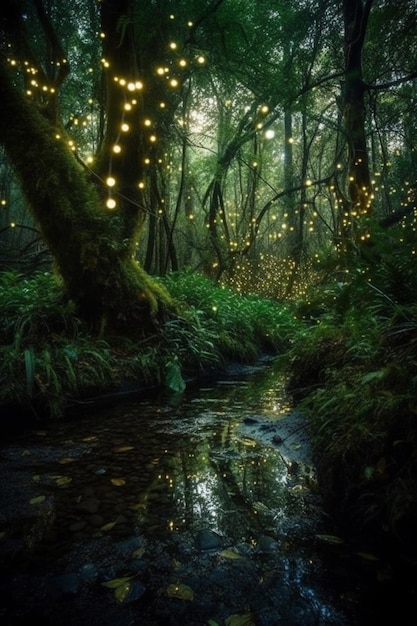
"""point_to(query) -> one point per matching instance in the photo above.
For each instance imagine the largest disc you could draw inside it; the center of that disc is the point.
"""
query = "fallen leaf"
(211, 622)
(90, 438)
(65, 460)
(61, 481)
(118, 482)
(183, 592)
(138, 552)
(117, 582)
(230, 554)
(36, 478)
(330, 539)
(108, 526)
(121, 592)
(26, 453)
(123, 448)
(37, 500)
(243, 619)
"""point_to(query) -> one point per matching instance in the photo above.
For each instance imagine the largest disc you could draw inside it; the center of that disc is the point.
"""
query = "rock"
(88, 573)
(206, 539)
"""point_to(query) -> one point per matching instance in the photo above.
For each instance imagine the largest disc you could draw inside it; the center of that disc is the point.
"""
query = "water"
(191, 509)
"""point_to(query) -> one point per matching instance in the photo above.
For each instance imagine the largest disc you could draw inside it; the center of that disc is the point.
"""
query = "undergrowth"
(353, 368)
(48, 357)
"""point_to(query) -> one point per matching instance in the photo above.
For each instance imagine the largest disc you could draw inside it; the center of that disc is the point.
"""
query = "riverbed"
(200, 508)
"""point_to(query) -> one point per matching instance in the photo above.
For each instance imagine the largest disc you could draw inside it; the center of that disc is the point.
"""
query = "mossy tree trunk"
(93, 247)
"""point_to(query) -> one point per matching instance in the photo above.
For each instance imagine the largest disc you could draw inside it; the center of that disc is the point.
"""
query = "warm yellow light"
(173, 45)
(201, 60)
(110, 181)
(152, 138)
(141, 185)
(308, 182)
(160, 71)
(131, 86)
(111, 203)
(116, 148)
(162, 105)
(183, 62)
(269, 134)
(147, 122)
(264, 109)
(127, 106)
(138, 85)
(173, 82)
(125, 127)
(147, 161)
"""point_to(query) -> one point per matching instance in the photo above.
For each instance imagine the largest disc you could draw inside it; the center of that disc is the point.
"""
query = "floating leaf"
(330, 539)
(65, 460)
(121, 592)
(36, 478)
(118, 482)
(117, 582)
(230, 554)
(211, 622)
(63, 480)
(108, 526)
(26, 453)
(183, 592)
(37, 500)
(90, 438)
(138, 552)
(259, 506)
(123, 448)
(243, 619)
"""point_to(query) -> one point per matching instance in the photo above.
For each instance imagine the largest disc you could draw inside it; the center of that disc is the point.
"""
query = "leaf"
(118, 482)
(90, 438)
(108, 526)
(26, 453)
(243, 619)
(211, 622)
(137, 552)
(65, 460)
(247, 441)
(121, 592)
(61, 481)
(36, 478)
(173, 377)
(230, 554)
(117, 582)
(37, 500)
(123, 448)
(182, 592)
(259, 506)
(330, 539)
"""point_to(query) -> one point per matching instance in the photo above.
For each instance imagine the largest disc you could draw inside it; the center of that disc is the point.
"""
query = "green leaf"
(183, 592)
(117, 582)
(173, 377)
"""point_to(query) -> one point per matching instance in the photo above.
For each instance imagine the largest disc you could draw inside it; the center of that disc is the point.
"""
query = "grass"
(48, 357)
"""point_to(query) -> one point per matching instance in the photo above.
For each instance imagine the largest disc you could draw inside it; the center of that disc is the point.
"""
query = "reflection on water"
(188, 476)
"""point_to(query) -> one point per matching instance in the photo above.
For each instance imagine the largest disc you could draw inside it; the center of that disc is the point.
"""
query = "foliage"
(355, 368)
(49, 359)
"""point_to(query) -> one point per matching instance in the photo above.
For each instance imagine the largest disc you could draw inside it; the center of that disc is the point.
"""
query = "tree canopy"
(243, 140)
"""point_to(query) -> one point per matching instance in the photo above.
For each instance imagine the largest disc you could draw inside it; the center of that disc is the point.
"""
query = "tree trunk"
(91, 255)
(356, 14)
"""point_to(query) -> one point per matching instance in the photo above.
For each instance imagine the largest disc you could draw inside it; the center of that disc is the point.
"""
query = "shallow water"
(190, 509)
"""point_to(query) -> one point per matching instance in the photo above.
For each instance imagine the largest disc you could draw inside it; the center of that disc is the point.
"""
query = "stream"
(195, 509)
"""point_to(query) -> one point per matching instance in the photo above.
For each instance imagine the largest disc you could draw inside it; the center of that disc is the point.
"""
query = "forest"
(185, 184)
